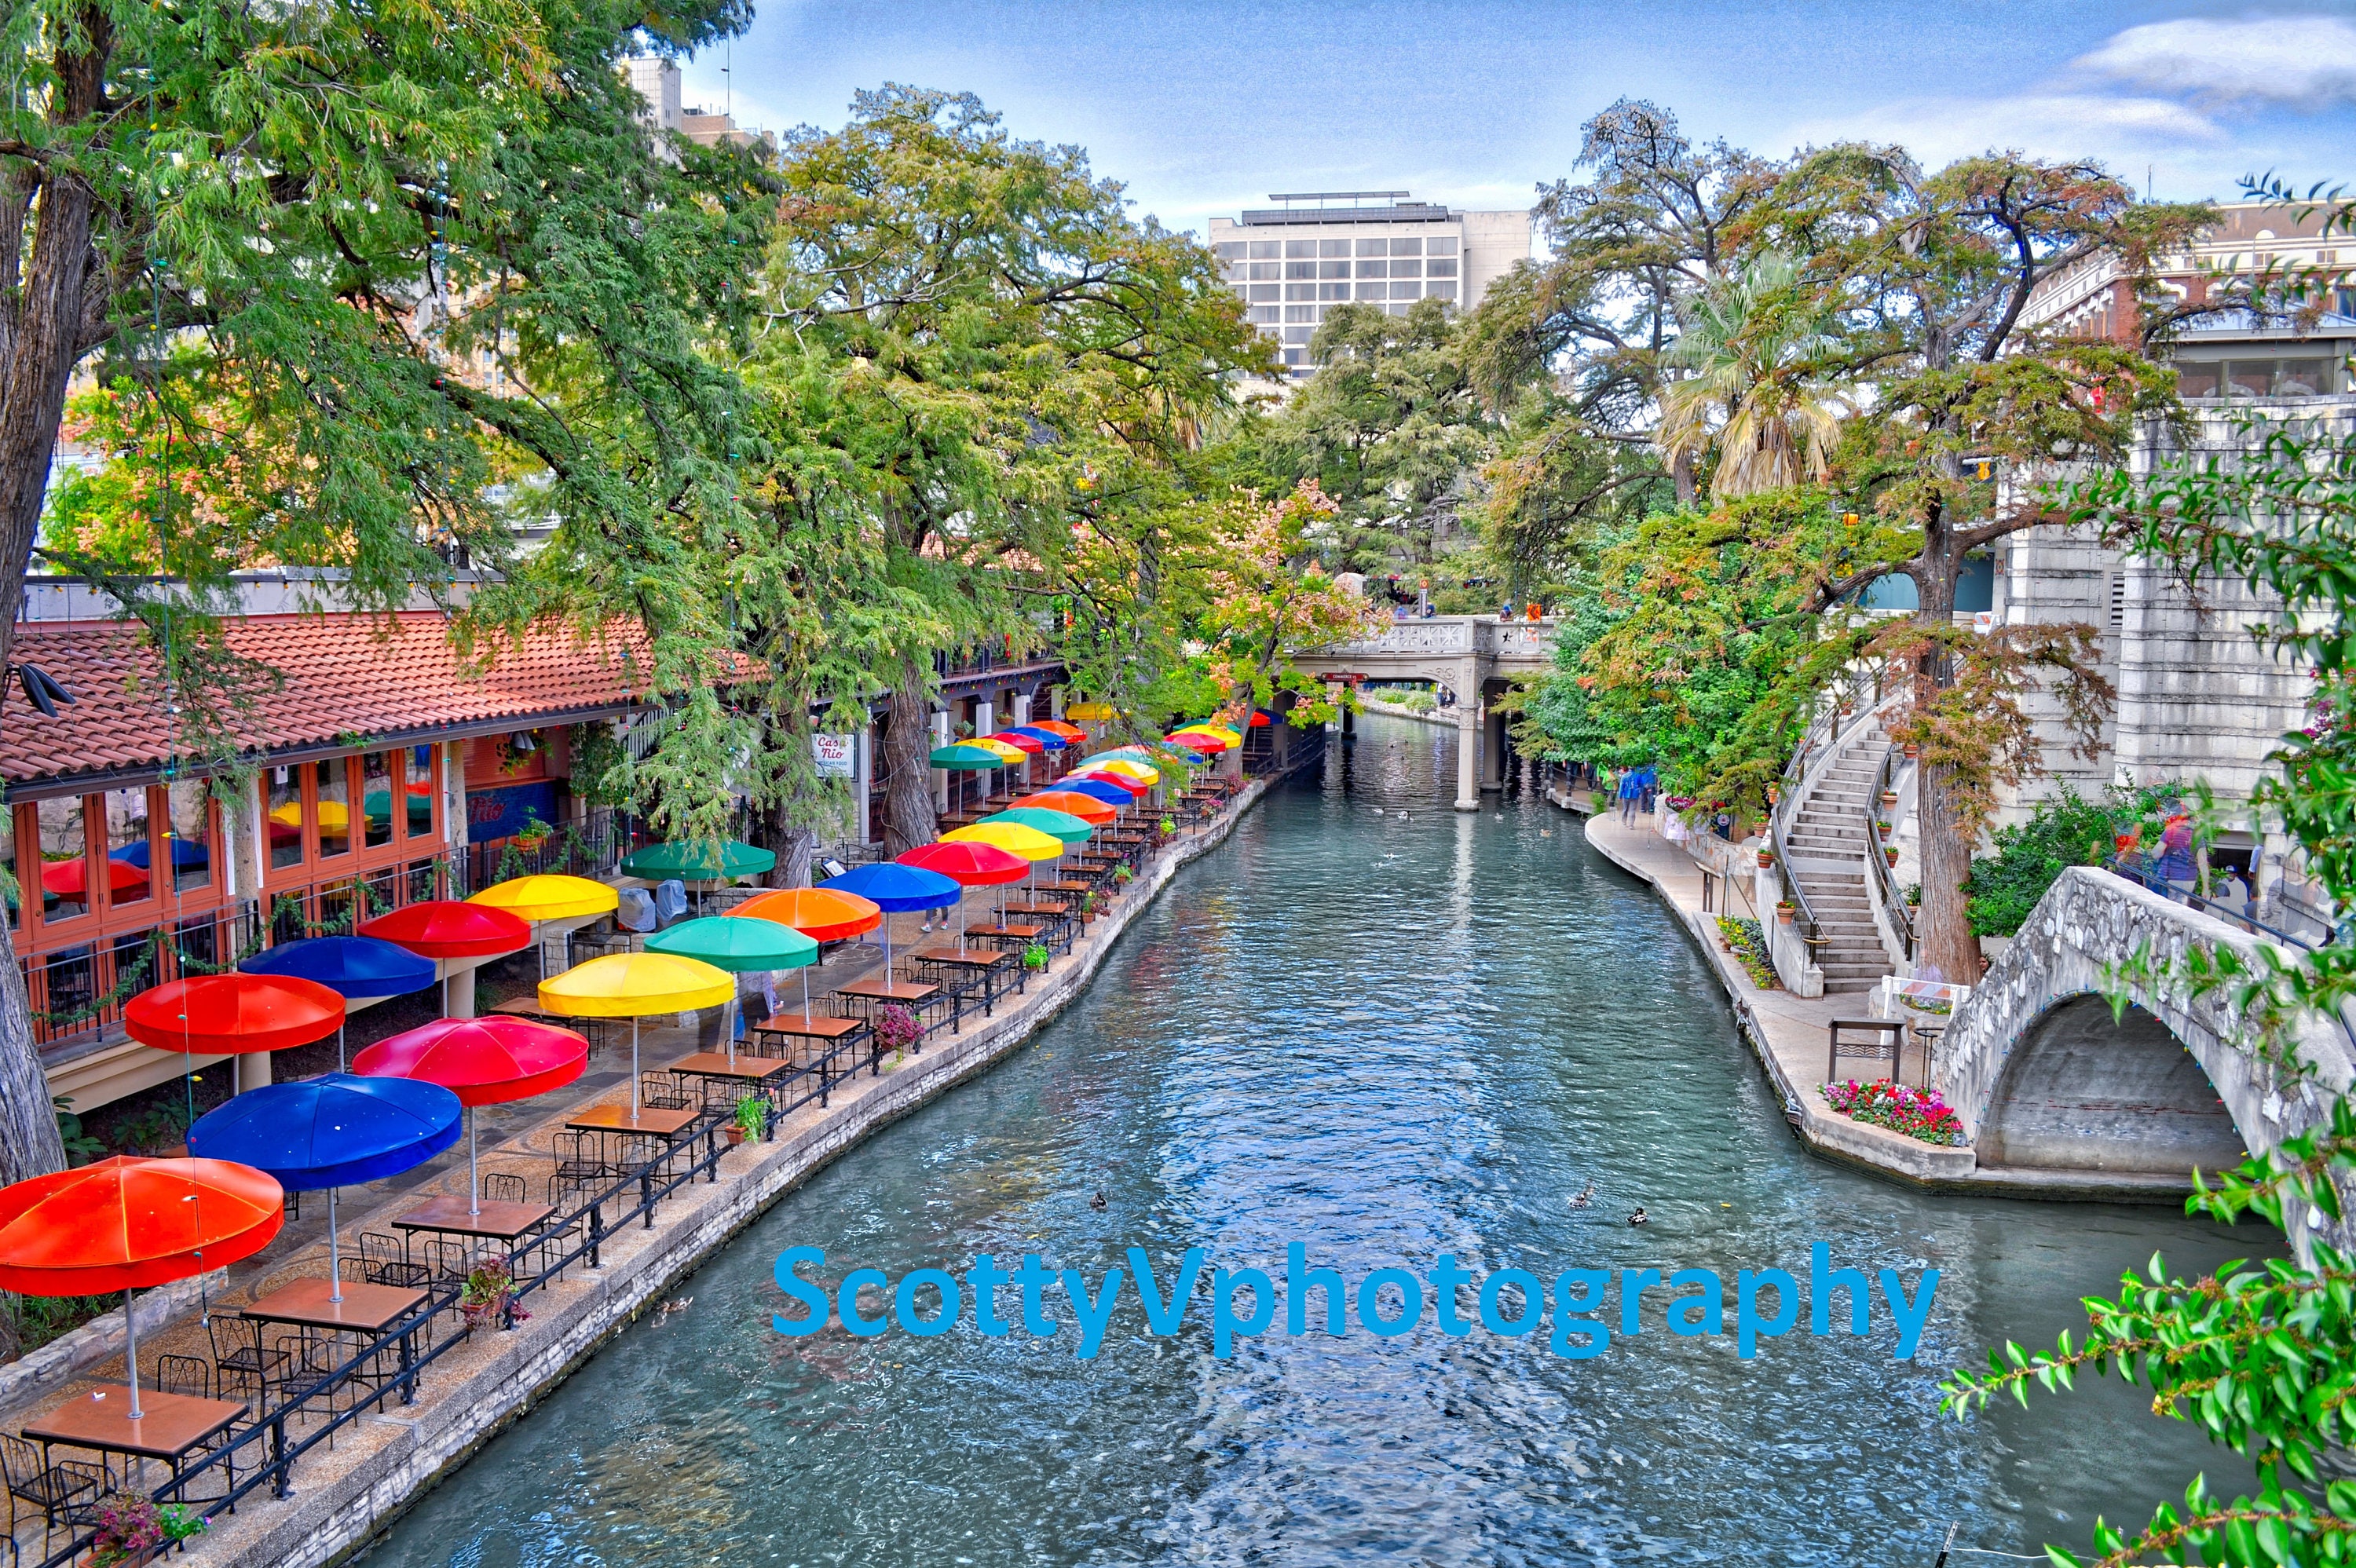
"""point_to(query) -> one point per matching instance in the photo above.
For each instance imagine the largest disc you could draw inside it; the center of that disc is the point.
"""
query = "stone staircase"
(1827, 846)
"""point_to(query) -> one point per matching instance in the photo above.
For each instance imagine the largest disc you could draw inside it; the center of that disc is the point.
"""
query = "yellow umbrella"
(1089, 713)
(1014, 755)
(549, 897)
(1126, 769)
(1011, 836)
(631, 985)
(1217, 732)
(335, 817)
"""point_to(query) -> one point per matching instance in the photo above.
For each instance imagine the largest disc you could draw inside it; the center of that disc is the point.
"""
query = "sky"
(1204, 107)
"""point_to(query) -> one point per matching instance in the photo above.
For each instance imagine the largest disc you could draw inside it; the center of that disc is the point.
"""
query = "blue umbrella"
(348, 965)
(896, 889)
(1046, 738)
(332, 1131)
(1111, 794)
(186, 853)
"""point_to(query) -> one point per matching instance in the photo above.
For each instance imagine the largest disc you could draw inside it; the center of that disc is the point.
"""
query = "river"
(1389, 1030)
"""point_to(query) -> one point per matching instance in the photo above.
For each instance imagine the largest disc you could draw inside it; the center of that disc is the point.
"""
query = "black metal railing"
(1861, 689)
(1885, 880)
(592, 845)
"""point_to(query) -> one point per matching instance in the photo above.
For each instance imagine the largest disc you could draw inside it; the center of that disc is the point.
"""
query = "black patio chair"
(66, 1492)
(244, 1367)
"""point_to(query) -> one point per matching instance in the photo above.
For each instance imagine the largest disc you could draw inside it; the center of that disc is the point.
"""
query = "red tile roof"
(343, 675)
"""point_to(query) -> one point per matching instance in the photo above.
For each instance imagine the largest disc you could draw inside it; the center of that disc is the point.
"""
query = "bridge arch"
(2043, 1077)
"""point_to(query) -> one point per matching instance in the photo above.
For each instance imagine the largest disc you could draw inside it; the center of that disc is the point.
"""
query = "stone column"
(1492, 750)
(252, 1070)
(940, 775)
(863, 775)
(458, 991)
(1468, 752)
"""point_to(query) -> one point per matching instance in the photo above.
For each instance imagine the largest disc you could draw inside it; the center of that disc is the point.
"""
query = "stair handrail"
(1885, 882)
(1862, 687)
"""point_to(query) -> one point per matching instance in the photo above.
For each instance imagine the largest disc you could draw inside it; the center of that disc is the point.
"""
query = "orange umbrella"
(124, 1223)
(1057, 726)
(822, 914)
(1087, 808)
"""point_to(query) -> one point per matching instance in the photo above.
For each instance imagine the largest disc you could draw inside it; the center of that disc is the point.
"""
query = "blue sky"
(1204, 106)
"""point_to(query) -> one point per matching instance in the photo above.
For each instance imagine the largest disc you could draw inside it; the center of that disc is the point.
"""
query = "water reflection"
(1388, 1037)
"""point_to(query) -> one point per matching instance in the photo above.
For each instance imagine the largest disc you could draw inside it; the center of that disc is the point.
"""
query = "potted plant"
(1882, 829)
(1913, 750)
(1169, 825)
(1889, 800)
(1766, 859)
(752, 1119)
(1122, 875)
(1034, 957)
(1889, 853)
(133, 1529)
(488, 1295)
(1784, 912)
(897, 1029)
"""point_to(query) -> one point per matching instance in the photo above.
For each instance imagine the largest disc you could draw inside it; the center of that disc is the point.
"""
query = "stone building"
(2201, 696)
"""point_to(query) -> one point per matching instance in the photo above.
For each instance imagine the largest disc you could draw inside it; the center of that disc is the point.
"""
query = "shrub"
(2066, 830)
(1749, 944)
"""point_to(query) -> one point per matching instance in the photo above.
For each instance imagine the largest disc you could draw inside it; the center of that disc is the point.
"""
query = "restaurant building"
(376, 761)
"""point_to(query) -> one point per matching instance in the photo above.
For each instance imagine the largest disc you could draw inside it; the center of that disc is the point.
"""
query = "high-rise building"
(1292, 262)
(656, 80)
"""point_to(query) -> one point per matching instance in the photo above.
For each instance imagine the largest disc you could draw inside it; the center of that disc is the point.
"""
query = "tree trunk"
(909, 819)
(43, 315)
(29, 1144)
(795, 847)
(1946, 939)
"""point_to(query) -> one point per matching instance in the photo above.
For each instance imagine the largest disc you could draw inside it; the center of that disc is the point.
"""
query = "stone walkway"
(344, 1493)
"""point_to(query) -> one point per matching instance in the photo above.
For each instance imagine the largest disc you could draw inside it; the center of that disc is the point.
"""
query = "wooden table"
(872, 994)
(1021, 936)
(747, 1068)
(982, 963)
(497, 1221)
(618, 1119)
(365, 1308)
(170, 1425)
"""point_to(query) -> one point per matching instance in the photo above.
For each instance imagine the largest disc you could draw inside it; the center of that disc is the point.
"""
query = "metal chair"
(387, 1262)
(580, 1166)
(241, 1360)
(191, 1375)
(66, 1492)
(504, 1187)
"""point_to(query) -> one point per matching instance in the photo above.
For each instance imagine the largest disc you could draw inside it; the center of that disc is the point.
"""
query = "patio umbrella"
(329, 1132)
(738, 946)
(1261, 719)
(968, 866)
(1057, 726)
(1072, 803)
(699, 862)
(483, 1061)
(1050, 740)
(1094, 789)
(1195, 740)
(1008, 754)
(225, 1014)
(896, 889)
(964, 758)
(185, 853)
(1127, 767)
(549, 896)
(126, 1224)
(1029, 745)
(351, 967)
(1058, 825)
(634, 985)
(1129, 785)
(1223, 732)
(447, 928)
(1090, 712)
(71, 878)
(820, 914)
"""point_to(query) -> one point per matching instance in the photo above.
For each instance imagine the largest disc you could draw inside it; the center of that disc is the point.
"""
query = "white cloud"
(2309, 61)
(2054, 124)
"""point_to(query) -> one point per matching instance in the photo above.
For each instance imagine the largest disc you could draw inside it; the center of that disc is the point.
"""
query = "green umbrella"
(698, 862)
(966, 759)
(736, 945)
(1058, 825)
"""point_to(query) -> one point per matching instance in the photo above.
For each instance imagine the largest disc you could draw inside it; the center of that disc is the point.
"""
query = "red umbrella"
(1031, 744)
(222, 1015)
(1134, 786)
(1210, 745)
(1259, 718)
(969, 866)
(124, 1223)
(71, 878)
(445, 928)
(483, 1061)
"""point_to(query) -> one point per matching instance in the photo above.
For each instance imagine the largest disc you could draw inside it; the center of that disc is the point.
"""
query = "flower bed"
(1748, 943)
(1917, 1113)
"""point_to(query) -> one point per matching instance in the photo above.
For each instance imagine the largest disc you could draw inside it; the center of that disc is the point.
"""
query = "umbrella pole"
(805, 1012)
(339, 1064)
(634, 1067)
(131, 1353)
(474, 1183)
(728, 1023)
(335, 1252)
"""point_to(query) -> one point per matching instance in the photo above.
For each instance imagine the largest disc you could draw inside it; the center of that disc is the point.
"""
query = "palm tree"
(1746, 349)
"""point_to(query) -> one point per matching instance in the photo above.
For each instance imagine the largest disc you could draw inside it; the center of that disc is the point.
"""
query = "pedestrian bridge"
(2045, 1077)
(1474, 656)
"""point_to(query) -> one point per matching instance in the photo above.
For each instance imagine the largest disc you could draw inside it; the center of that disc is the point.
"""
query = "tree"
(301, 230)
(982, 333)
(1269, 602)
(1750, 395)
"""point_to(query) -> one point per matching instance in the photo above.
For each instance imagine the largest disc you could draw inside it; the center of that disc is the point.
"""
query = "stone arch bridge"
(1473, 656)
(2045, 1079)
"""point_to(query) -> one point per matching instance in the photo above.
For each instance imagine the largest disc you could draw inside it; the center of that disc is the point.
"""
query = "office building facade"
(1293, 262)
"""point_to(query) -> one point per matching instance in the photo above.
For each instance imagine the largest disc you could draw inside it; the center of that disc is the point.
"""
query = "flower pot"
(736, 1136)
(1889, 799)
(1766, 859)
(1912, 752)
(1783, 914)
(1889, 853)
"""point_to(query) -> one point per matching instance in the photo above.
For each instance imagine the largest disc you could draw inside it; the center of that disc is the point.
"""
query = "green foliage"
(2066, 829)
(1747, 940)
(80, 1147)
